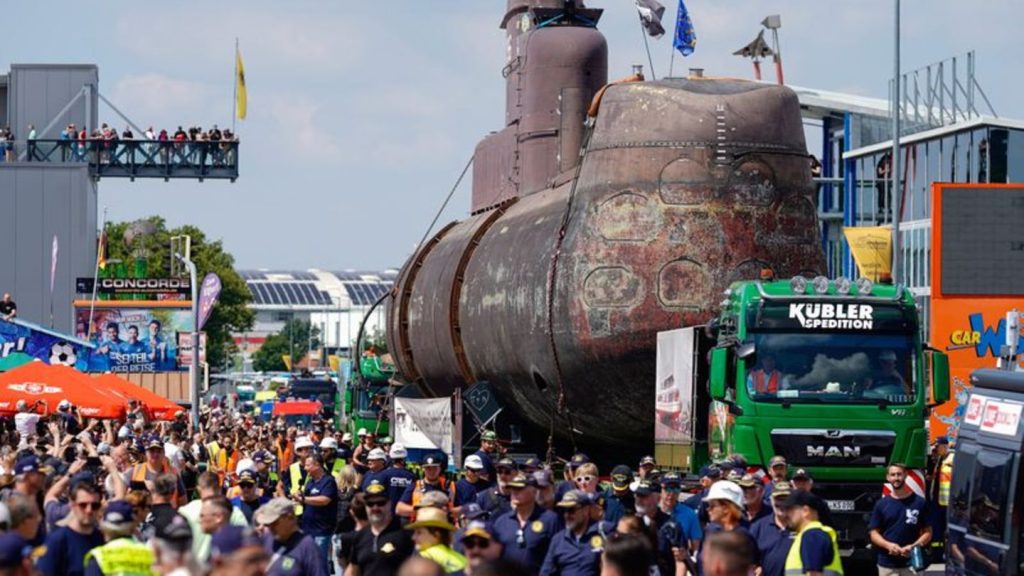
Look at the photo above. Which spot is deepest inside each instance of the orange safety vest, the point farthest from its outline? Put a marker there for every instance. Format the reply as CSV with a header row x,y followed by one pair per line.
x,y
769,387
139,472
418,492
226,463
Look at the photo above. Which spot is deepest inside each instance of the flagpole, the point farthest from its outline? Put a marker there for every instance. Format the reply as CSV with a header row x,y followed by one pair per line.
x,y
96,271
234,82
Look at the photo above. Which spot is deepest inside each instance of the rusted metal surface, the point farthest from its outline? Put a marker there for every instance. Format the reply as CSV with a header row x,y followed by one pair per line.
x,y
685,187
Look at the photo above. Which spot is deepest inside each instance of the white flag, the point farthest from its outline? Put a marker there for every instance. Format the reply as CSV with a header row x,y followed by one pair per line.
x,y
650,15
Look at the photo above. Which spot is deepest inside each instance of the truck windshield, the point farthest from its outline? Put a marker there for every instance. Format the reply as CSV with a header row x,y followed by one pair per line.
x,y
832,368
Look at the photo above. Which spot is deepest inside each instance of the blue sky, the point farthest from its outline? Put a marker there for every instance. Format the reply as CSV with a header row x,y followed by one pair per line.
x,y
362,114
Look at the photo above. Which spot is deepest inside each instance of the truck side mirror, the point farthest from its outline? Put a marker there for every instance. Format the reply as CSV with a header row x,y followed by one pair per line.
x,y
940,377
719,372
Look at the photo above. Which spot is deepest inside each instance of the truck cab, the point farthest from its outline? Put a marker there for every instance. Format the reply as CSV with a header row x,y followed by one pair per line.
x,y
986,494
831,375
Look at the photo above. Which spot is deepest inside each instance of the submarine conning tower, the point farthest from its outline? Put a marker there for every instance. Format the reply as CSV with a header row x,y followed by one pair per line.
x,y
556,60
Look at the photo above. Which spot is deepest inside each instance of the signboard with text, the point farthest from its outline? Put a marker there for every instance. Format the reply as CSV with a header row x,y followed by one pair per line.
x,y
134,336
180,286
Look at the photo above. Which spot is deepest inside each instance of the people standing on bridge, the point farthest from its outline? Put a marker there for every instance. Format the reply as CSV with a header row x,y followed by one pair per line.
x,y
526,531
647,466
479,546
899,523
815,548
366,444
292,551
333,462
939,479
772,534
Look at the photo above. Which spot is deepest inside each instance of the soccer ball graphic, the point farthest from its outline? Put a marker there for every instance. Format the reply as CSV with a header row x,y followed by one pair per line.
x,y
63,354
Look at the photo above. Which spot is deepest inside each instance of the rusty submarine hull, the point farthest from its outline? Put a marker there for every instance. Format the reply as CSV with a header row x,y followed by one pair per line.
x,y
596,223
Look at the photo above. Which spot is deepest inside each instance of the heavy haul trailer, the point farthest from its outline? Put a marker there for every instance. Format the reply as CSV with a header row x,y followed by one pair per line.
x,y
829,374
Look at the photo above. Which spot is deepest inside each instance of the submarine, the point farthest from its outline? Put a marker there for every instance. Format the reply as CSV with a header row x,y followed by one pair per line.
x,y
602,213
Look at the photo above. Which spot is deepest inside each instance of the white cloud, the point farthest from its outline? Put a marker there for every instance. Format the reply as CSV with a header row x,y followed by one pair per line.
x,y
155,97
300,126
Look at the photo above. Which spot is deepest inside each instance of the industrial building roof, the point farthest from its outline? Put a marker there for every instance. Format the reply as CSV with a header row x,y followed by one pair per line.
x,y
316,289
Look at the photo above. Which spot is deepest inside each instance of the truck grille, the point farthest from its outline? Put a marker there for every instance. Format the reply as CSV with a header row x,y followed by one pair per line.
x,y
812,447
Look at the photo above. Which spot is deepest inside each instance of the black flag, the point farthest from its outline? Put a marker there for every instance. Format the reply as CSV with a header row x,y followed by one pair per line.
x,y
650,15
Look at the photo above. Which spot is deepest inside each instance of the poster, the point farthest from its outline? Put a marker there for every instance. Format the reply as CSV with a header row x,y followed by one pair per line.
x,y
674,392
25,338
424,423
872,249
142,338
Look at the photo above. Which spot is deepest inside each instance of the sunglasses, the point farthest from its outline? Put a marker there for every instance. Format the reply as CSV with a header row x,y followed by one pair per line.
x,y
584,479
89,505
505,470
377,504
474,542
520,538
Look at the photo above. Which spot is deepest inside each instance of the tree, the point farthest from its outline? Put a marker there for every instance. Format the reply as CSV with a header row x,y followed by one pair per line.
x,y
230,315
293,340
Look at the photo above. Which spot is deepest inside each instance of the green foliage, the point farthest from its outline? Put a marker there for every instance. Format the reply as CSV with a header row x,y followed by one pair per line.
x,y
231,313
292,340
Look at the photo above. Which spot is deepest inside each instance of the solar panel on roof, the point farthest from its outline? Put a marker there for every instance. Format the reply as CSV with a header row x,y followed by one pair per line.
x,y
302,275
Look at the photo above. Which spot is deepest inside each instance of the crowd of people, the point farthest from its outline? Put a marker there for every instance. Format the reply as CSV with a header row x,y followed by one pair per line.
x,y
237,495
105,145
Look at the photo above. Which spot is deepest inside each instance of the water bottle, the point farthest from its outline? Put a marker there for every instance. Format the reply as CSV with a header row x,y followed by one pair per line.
x,y
917,561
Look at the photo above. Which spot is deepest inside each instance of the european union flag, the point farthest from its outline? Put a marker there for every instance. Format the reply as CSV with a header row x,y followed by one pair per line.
x,y
686,38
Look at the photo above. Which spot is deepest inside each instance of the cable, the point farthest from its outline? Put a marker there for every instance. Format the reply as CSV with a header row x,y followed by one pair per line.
x,y
445,205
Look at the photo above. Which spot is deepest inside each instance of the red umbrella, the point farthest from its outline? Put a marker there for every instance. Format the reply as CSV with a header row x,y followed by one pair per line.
x,y
297,408
39,381
160,408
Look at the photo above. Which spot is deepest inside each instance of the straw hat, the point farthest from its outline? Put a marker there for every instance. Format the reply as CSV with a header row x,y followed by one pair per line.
x,y
431,518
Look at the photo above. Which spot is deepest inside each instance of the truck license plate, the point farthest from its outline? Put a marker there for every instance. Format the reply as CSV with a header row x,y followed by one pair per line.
x,y
840,505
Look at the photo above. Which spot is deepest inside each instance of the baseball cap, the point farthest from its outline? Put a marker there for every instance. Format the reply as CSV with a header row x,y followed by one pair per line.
x,y
648,460
472,511
398,452
26,464
229,539
376,491
176,531
13,550
748,481
473,462
329,443
942,440
802,473
803,498
154,441
711,471
781,489
431,460
64,405
433,499
777,461
646,487
575,499
247,477
522,481
271,511
104,449
506,463
489,436
725,490
578,459
671,482
478,528
118,514
376,454
542,477
621,475
261,456
531,463
303,442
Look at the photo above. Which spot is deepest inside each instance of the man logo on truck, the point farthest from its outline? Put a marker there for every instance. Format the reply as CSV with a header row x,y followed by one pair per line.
x,y
827,315
833,452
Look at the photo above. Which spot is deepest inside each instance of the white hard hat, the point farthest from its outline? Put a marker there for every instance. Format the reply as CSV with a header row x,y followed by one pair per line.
x,y
726,490
474,462
398,452
64,405
376,454
346,437
245,464
329,442
303,442
361,433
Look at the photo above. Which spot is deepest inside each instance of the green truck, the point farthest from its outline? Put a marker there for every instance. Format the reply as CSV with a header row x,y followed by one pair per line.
x,y
366,397
832,375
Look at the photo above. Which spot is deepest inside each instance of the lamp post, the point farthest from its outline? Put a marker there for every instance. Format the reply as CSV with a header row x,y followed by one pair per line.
x,y
194,395
897,188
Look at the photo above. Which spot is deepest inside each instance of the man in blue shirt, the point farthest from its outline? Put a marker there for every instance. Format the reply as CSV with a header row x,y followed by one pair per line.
x,y
397,478
495,500
67,546
487,453
576,549
376,470
319,500
526,531
473,482
293,553
772,534
250,499
684,516
817,549
899,522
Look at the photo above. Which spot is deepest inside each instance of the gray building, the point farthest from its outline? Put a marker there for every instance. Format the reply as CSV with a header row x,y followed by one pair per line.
x,y
42,201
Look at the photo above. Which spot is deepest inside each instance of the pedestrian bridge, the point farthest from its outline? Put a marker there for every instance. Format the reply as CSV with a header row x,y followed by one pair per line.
x,y
167,159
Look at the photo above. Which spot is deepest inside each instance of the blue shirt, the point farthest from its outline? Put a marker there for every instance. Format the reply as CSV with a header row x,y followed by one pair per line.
x,y
379,476
569,556
773,544
713,527
686,518
815,550
398,480
298,556
527,545
249,508
493,502
320,520
489,468
465,491
66,550
900,521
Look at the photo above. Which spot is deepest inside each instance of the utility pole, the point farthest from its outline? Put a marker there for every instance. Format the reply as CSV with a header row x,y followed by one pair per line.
x,y
194,396
897,191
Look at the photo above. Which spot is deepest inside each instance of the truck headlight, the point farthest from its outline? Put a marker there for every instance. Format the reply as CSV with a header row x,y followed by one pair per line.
x,y
864,286
820,285
798,284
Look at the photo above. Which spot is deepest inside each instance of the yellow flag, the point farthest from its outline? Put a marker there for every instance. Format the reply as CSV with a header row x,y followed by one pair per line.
x,y
872,250
287,359
334,362
240,95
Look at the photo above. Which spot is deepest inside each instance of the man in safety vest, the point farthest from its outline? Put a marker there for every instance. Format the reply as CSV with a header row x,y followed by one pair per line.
x,y
294,478
266,477
333,463
121,555
141,476
766,379
432,480
815,550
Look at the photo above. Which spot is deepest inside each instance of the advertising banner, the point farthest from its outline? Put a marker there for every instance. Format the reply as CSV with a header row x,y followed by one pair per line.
x,y
34,342
208,294
673,423
179,286
424,423
134,339
872,250
185,349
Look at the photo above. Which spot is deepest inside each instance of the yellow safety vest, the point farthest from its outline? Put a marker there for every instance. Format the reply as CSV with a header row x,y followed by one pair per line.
x,y
945,479
294,485
795,565
449,560
123,557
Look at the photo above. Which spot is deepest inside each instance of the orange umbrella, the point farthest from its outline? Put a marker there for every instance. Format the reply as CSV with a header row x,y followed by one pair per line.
x,y
40,381
160,408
